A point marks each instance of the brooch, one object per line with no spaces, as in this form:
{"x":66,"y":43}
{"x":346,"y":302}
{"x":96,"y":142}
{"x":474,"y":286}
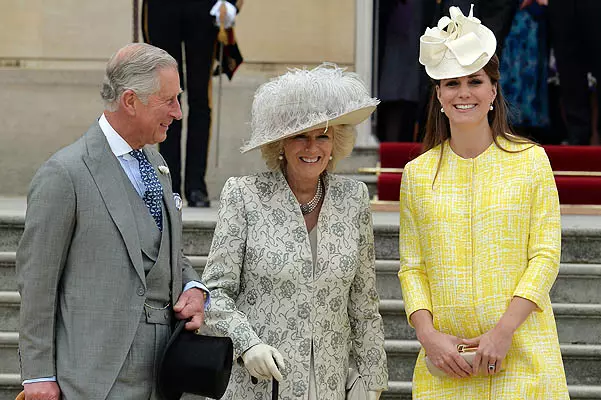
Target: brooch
{"x":178,"y":201}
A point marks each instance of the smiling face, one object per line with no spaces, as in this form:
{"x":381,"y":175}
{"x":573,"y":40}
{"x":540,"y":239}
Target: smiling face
{"x":154,"y":117}
{"x":308,"y":154}
{"x":466,"y":100}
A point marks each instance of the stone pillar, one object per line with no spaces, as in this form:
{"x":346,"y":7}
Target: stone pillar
{"x":364,"y":17}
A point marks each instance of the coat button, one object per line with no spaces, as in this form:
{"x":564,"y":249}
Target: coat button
{"x":141,"y":291}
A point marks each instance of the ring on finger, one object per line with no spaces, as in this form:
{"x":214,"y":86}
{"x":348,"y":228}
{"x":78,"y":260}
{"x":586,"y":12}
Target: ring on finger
{"x":491,"y":367}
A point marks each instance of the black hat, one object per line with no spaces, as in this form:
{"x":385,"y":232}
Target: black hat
{"x":195,"y":364}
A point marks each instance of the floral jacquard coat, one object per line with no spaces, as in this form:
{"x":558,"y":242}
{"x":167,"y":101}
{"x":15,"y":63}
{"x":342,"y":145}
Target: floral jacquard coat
{"x":265,"y":289}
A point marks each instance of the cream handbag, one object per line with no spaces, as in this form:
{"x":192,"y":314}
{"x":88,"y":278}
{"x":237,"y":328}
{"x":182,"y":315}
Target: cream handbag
{"x":468,"y":353}
{"x":355,"y":386}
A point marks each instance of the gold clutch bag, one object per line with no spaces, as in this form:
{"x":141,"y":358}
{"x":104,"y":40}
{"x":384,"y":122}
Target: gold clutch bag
{"x":468,"y":353}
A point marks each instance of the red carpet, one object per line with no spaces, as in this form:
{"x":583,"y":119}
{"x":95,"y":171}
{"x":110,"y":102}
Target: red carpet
{"x":579,"y":189}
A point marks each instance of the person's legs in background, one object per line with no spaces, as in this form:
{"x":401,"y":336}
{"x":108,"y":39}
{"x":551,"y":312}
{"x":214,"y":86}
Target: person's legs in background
{"x":162,"y":28}
{"x":592,"y":8}
{"x":396,"y":121}
{"x":571,"y":30}
{"x":199,"y":42}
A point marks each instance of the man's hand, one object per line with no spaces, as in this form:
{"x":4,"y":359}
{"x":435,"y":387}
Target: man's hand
{"x":191,"y":305}
{"x":42,"y":391}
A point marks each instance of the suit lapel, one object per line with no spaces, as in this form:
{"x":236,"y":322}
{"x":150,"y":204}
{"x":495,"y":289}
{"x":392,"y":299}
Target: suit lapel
{"x":105,"y":170}
{"x":173,"y":213}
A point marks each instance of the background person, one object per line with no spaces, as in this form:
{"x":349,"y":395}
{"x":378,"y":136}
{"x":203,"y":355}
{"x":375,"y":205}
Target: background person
{"x":187,"y":31}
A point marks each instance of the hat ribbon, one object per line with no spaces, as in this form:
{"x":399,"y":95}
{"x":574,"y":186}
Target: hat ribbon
{"x":460,"y":38}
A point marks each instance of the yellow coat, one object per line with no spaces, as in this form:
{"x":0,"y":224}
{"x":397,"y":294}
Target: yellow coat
{"x":489,"y":229}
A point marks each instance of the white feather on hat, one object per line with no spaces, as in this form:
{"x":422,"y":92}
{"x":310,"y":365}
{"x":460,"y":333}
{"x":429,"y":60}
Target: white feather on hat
{"x":302,"y":100}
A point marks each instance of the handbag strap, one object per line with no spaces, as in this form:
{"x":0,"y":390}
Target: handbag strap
{"x":275,"y":388}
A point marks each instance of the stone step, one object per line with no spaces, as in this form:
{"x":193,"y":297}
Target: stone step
{"x":9,"y":311}
{"x":397,"y":390}
{"x":7,"y":271}
{"x":9,"y":342}
{"x":401,"y":390}
{"x":576,"y":323}
{"x":576,"y":283}
{"x":10,"y":386}
{"x":579,"y":245}
{"x":582,"y":363}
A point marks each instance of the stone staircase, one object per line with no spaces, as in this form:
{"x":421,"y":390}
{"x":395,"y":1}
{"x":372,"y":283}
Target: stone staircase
{"x":576,"y":298}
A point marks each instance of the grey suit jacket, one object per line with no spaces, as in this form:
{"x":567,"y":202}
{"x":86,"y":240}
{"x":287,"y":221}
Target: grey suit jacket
{"x":79,"y":268}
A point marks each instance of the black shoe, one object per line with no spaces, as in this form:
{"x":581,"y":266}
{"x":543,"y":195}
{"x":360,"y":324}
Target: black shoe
{"x":198,"y":199}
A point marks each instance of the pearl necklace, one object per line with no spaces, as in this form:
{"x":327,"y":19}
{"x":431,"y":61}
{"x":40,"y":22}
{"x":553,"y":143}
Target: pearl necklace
{"x":308,"y":208}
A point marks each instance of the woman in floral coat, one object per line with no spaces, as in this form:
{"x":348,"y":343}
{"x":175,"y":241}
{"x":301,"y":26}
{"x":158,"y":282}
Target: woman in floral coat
{"x":291,"y":268}
{"x":480,"y":234}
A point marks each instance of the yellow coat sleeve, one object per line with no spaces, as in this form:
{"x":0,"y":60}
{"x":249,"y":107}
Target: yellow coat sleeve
{"x":544,"y":244}
{"x":412,"y":274}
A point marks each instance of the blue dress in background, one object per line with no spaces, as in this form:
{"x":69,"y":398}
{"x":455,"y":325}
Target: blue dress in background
{"x":524,"y":65}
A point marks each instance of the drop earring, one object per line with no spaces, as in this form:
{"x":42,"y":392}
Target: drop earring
{"x":442,"y":110}
{"x":281,"y":156}
{"x":491,"y":107}
{"x":331,"y":158}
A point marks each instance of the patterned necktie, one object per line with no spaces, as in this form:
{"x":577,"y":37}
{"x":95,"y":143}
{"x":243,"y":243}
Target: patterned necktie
{"x":154,"y":191}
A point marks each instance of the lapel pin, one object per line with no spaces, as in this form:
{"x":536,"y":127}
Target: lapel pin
{"x":178,"y":200}
{"x":163,"y":169}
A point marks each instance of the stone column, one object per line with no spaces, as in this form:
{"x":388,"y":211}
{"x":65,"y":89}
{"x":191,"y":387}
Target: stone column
{"x":364,"y":17}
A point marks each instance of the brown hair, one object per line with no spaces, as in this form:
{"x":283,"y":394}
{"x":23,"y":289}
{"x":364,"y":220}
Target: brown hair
{"x":438,"y":129}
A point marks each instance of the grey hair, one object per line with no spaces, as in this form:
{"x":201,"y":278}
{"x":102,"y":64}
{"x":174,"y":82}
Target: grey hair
{"x":343,"y":143}
{"x":134,"y":67}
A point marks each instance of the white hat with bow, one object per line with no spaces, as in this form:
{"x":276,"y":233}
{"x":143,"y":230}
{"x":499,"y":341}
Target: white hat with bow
{"x":457,"y":46}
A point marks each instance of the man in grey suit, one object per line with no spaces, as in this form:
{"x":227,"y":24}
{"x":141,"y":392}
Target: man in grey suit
{"x":100,"y":269}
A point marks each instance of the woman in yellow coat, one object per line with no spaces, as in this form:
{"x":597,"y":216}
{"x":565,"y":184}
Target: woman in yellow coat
{"x":480,"y":234}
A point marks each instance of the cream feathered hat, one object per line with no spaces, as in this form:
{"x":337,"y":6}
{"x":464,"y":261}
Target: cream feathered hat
{"x":457,"y":46}
{"x":302,"y":100}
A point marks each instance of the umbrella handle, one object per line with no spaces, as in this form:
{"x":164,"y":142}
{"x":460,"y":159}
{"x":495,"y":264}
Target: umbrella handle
{"x":275,"y":388}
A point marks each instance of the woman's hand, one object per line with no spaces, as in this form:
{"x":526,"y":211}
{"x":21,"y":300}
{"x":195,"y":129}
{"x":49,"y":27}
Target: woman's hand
{"x":262,"y":362}
{"x":492,"y":349}
{"x":441,"y":349}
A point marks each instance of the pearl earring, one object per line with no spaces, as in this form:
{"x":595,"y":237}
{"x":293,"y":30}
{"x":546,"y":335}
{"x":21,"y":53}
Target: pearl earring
{"x":491,"y":107}
{"x":331,"y":158}
{"x":281,"y":157}
{"x":442,"y":110}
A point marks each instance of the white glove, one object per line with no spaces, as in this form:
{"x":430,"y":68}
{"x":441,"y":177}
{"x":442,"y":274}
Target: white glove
{"x":260,"y":360}
{"x":373,"y":395}
{"x":230,"y":13}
